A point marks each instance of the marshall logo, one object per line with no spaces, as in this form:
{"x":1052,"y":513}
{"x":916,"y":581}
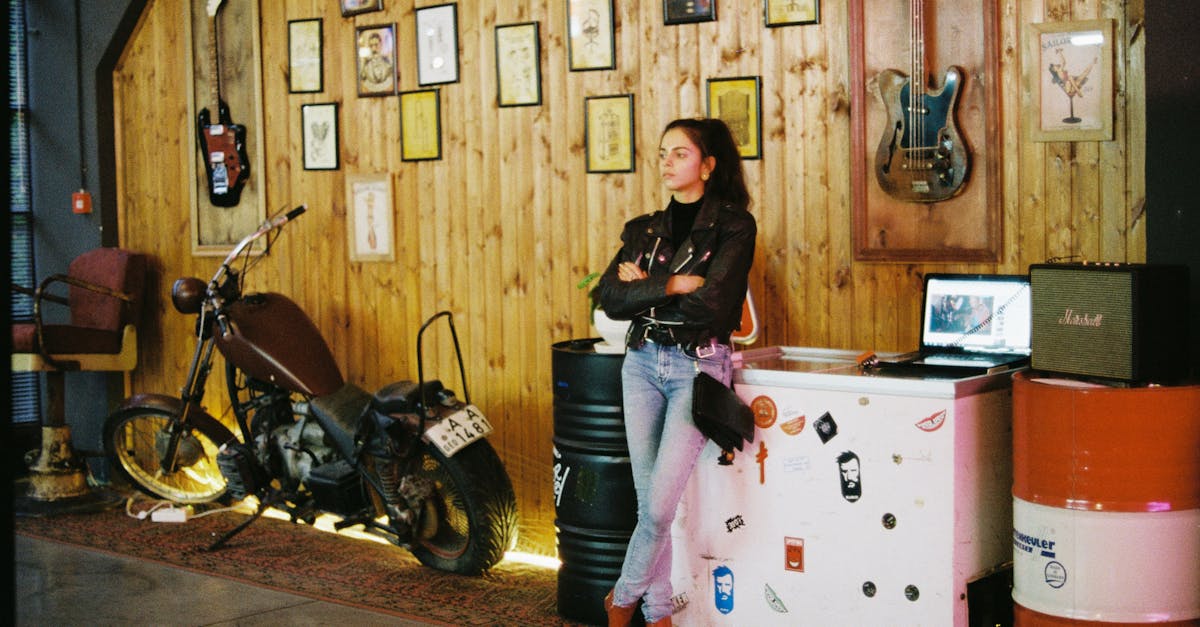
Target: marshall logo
{"x":1077,"y":319}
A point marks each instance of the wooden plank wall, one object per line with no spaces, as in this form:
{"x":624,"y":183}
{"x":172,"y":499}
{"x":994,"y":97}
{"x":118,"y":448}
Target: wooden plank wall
{"x":501,"y":229}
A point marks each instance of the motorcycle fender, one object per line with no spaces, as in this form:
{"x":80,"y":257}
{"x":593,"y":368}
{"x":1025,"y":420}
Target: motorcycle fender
{"x":197,"y":417}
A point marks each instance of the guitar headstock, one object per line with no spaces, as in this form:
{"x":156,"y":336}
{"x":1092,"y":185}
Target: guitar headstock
{"x":213,"y":6}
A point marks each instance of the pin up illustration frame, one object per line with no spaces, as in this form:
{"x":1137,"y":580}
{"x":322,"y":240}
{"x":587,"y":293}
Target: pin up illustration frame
{"x":1072,"y":80}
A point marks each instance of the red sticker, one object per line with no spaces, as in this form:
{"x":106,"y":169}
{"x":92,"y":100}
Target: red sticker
{"x":793,"y":554}
{"x":764,"y":411}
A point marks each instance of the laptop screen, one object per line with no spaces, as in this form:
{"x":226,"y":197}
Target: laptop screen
{"x":976,"y":313}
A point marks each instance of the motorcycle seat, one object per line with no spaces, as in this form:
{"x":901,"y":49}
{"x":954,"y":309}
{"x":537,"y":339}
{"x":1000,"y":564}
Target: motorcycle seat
{"x":403,"y":397}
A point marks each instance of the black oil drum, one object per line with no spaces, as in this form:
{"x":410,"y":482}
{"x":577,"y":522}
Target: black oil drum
{"x":595,"y":502}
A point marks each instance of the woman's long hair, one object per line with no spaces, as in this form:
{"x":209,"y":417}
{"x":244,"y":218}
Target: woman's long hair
{"x":727,"y":181}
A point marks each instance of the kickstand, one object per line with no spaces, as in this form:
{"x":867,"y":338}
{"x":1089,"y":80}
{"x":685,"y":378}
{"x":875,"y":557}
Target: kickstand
{"x":262,"y":507}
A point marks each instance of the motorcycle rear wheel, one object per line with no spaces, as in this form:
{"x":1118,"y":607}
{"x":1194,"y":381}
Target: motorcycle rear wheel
{"x":135,"y":441}
{"x":476,"y":510}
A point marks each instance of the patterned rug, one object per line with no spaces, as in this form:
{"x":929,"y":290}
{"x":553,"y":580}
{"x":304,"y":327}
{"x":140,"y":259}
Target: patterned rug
{"x":318,"y":564}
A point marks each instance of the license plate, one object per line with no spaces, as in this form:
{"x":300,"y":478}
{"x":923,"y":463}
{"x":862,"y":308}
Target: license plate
{"x":459,"y":429}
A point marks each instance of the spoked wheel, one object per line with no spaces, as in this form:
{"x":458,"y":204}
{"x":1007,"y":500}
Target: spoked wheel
{"x":136,"y":440}
{"x":476,"y":511}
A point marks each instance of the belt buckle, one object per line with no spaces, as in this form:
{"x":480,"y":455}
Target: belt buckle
{"x":704,"y":352}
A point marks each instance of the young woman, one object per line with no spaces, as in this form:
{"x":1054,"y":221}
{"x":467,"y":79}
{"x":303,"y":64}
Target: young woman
{"x":680,"y":276}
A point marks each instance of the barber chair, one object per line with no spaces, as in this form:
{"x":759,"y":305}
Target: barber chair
{"x":104,"y":296}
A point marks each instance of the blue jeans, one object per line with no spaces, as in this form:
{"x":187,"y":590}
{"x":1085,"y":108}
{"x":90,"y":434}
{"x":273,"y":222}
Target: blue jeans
{"x":664,"y":445}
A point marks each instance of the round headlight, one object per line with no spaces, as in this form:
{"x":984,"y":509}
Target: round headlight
{"x":187,"y":295}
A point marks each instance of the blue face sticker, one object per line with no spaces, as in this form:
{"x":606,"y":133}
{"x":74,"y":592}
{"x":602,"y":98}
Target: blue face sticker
{"x":723,"y":589}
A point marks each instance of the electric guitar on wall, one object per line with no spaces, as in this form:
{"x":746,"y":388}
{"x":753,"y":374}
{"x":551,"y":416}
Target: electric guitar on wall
{"x":222,"y":143}
{"x":921,"y":157}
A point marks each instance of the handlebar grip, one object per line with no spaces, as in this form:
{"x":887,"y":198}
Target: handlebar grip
{"x":295,"y":213}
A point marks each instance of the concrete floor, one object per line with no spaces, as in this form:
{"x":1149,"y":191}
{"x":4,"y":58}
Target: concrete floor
{"x":61,"y":585}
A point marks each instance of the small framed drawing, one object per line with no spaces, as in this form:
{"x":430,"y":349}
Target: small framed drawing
{"x":354,"y":7}
{"x":590,"y":41}
{"x":375,"y":48}
{"x":420,"y":125}
{"x":518,"y":65}
{"x":685,"y":11}
{"x":1072,"y":81}
{"x":320,"y":124}
{"x":735,"y":101}
{"x":437,"y":44}
{"x":369,"y":217}
{"x":789,"y":12}
{"x":608,"y":131}
{"x":305,"y":68}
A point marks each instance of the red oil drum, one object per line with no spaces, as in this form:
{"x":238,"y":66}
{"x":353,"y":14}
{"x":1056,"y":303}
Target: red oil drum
{"x":1106,"y":503}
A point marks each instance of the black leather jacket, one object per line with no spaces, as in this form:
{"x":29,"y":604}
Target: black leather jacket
{"x":720,"y":248}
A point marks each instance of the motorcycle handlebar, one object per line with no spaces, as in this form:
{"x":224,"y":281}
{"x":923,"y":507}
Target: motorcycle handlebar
{"x":240,"y":247}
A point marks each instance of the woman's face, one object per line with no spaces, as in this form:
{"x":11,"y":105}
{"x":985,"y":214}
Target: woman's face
{"x":682,"y":167}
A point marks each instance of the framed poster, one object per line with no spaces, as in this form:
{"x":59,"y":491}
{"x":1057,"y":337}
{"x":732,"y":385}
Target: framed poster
{"x":420,"y":125}
{"x":518,"y":65}
{"x":789,"y":12}
{"x":320,"y":124}
{"x":735,"y":101}
{"x":899,"y":213}
{"x":369,"y":217}
{"x":608,"y":131}
{"x":375,"y":50}
{"x":1072,"y":82}
{"x":354,"y":7}
{"x":686,"y":11}
{"x":305,"y":66}
{"x":590,"y":41}
{"x":437,"y":44}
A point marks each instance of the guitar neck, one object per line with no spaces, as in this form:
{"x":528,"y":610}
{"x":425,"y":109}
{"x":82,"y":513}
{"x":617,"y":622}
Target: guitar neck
{"x":917,"y":39}
{"x":214,"y":83}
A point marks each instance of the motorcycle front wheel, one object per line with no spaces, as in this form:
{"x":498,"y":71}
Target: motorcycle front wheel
{"x":136,"y":440}
{"x":476,"y":510}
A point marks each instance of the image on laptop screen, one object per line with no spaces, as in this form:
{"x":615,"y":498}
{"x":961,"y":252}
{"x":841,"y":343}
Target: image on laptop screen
{"x":977,"y":313}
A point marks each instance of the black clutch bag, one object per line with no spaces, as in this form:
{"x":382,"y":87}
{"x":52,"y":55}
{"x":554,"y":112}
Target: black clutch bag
{"x":720,"y":414}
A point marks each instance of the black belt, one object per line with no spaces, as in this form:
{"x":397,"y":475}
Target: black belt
{"x":690,"y":340}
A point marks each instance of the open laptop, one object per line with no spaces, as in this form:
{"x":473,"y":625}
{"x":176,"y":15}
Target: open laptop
{"x":979,"y":322}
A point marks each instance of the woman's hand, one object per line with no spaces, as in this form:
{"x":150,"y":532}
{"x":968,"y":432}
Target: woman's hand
{"x":629,"y":271}
{"x":683,"y":284}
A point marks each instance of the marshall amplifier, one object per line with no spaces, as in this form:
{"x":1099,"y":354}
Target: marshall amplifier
{"x":1112,"y":321}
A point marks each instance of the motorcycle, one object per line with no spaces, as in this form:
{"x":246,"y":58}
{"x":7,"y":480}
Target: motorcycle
{"x":410,"y":462}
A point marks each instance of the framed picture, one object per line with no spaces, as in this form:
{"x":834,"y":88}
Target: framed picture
{"x":608,"y":131}
{"x":305,"y":68}
{"x":320,"y":123}
{"x":685,"y":11}
{"x":1072,"y":81}
{"x":735,"y":101}
{"x":518,"y":65}
{"x":420,"y":125}
{"x":590,"y":40}
{"x":789,"y":12}
{"x":369,"y":217}
{"x":375,"y":48}
{"x":437,"y":44}
{"x":354,"y":7}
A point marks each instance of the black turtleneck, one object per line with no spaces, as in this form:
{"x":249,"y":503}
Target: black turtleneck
{"x":683,"y":215}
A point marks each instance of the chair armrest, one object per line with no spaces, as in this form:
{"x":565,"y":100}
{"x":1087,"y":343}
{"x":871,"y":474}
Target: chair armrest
{"x":21,"y":289}
{"x":42,"y":294}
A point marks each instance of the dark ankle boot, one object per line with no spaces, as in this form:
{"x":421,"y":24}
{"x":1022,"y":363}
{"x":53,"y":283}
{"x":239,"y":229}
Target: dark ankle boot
{"x":618,"y":615}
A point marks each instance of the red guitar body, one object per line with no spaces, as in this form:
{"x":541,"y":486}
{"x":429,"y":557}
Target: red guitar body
{"x":223,"y":147}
